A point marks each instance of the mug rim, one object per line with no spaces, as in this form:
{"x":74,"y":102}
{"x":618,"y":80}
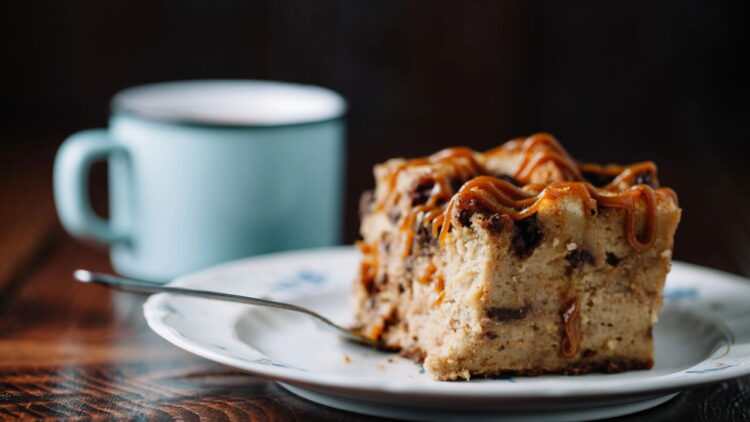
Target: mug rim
{"x":186,"y":123}
{"x":131,"y":102}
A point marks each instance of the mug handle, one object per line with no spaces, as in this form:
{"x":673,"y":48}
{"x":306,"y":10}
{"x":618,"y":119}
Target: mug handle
{"x":70,"y":179}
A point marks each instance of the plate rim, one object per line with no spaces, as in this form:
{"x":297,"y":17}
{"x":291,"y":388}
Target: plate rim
{"x":332,"y":382}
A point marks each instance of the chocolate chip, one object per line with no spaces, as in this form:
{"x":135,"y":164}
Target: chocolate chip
{"x":492,"y":221}
{"x":424,"y":234}
{"x":527,"y":234}
{"x":420,"y":194}
{"x":578,"y":257}
{"x":423,"y":238}
{"x":490,"y":335}
{"x":588,"y":353}
{"x":366,"y":202}
{"x":467,"y":208}
{"x":598,"y":179}
{"x":644,"y":178}
{"x":391,"y":320}
{"x":507,"y":314}
{"x":496,"y":223}
{"x":371,"y":287}
{"x":510,"y":179}
{"x":612,"y":259}
{"x":464,"y":217}
{"x":375,"y":286}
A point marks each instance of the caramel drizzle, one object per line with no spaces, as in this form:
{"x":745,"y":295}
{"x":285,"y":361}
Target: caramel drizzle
{"x":368,"y":268}
{"x":376,"y":331}
{"x":501,"y":197}
{"x":440,"y":289}
{"x":427,"y":276}
{"x":572,"y":325}
{"x":537,"y":150}
{"x":542,"y":148}
{"x":439,"y":283}
{"x":407,"y":227}
{"x":622,"y":174}
{"x":461,"y":158}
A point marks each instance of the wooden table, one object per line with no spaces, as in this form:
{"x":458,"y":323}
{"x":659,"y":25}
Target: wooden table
{"x":73,"y":351}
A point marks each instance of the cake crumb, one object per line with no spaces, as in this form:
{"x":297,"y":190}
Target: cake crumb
{"x":347,"y":359}
{"x":571,"y":246}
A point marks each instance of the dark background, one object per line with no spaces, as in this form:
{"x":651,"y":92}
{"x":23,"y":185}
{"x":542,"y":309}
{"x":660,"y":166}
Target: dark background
{"x":614,"y":81}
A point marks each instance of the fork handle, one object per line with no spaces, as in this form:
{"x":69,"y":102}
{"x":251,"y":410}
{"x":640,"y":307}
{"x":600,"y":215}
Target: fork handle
{"x":141,"y":286}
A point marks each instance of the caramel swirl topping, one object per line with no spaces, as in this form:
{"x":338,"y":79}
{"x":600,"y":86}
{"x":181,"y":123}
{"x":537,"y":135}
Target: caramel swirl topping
{"x":536,"y":150}
{"x":501,"y":197}
{"x":623,"y":187}
{"x":462,"y":160}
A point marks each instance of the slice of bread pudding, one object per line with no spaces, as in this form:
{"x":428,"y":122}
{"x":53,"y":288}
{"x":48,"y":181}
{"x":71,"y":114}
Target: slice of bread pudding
{"x":517,"y":260}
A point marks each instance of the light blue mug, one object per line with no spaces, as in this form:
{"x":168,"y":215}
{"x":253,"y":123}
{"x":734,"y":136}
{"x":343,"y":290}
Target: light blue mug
{"x":202,"y":172}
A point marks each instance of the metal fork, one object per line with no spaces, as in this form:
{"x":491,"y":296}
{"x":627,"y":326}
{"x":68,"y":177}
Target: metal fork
{"x":142,"y":286}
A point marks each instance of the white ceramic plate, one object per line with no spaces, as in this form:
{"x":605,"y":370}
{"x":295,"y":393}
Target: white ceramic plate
{"x":703,"y":336}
